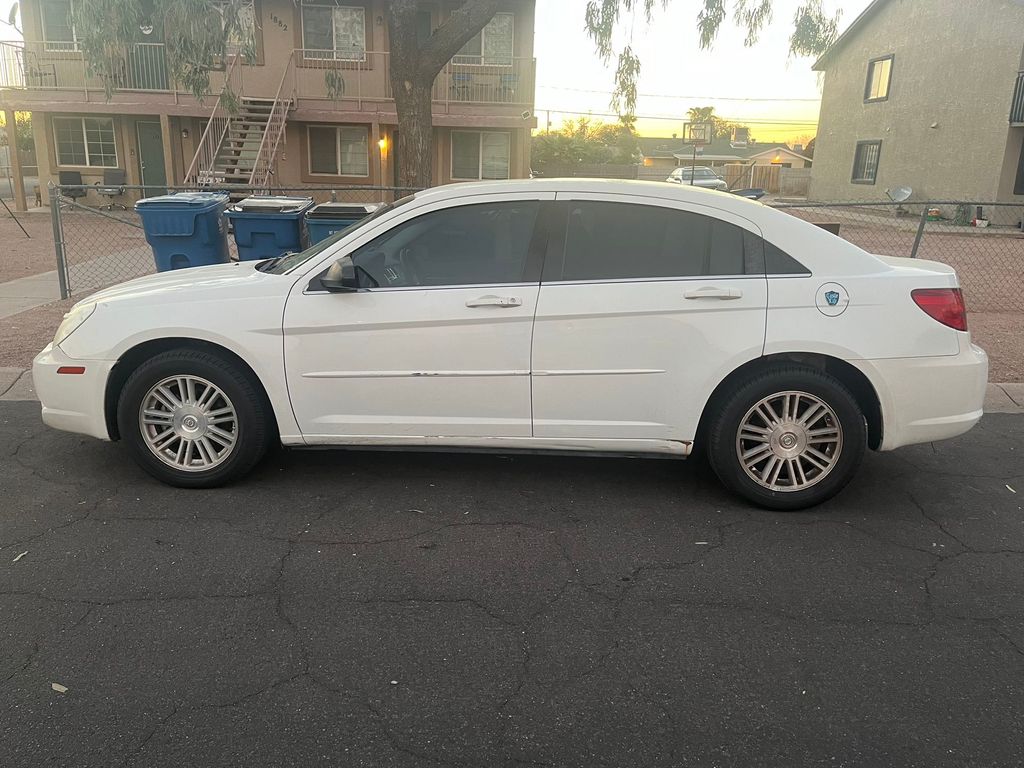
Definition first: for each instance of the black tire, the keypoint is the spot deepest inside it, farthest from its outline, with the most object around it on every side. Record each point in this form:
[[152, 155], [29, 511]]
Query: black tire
[[253, 428], [723, 438]]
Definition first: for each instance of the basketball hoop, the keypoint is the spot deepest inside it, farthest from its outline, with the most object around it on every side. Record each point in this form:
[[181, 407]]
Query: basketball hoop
[[698, 134]]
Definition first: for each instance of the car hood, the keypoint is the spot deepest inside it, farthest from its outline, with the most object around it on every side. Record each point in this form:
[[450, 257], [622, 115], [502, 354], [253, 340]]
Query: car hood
[[217, 277]]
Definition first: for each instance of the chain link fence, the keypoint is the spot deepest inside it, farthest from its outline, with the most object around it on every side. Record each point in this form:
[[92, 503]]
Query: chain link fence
[[982, 241], [988, 255], [99, 240]]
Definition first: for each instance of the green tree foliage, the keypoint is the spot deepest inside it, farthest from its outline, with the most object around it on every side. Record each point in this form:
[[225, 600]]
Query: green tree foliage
[[22, 130], [582, 141], [196, 39], [813, 31]]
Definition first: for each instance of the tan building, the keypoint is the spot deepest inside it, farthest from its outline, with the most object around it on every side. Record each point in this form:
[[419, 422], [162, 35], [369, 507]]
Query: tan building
[[315, 105], [927, 94], [672, 153]]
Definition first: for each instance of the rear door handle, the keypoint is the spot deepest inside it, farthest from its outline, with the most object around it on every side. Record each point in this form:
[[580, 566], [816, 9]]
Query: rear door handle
[[714, 292], [495, 301]]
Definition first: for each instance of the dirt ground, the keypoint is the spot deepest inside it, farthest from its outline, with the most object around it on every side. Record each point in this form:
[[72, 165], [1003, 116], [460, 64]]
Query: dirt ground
[[21, 256]]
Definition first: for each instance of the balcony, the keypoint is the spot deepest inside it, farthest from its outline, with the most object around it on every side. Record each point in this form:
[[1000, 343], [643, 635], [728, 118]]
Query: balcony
[[1017, 106], [324, 80]]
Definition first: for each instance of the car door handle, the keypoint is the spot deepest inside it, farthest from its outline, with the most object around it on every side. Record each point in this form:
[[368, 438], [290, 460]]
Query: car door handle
[[713, 292], [495, 301]]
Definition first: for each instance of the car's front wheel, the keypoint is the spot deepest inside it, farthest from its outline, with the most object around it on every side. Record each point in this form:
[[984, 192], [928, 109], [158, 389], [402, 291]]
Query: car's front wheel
[[788, 439], [193, 420]]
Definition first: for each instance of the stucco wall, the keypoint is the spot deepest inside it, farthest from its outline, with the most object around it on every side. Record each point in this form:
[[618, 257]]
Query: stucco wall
[[955, 66]]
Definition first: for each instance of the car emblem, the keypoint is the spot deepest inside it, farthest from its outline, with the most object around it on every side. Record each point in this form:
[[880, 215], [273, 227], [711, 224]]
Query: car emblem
[[832, 297]]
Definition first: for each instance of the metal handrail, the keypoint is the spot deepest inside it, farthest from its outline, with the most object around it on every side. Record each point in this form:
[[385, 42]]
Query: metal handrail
[[204, 140], [275, 124]]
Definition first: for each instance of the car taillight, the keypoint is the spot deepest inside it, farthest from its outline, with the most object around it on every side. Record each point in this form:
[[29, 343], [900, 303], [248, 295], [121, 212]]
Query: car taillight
[[943, 304]]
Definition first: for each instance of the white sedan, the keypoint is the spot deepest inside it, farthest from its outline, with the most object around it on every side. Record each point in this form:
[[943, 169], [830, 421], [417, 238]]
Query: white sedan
[[549, 315]]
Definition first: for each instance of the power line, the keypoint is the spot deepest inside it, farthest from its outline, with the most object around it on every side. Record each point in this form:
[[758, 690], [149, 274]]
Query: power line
[[674, 96], [743, 120]]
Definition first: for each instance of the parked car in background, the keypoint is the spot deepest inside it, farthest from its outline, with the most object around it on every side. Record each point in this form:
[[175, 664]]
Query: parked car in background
[[698, 176], [548, 315]]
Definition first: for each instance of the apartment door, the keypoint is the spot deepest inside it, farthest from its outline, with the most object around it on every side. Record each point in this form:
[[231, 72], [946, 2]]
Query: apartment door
[[151, 155]]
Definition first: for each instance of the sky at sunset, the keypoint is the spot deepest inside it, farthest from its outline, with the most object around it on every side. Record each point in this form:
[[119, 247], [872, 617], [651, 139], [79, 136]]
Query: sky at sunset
[[777, 96]]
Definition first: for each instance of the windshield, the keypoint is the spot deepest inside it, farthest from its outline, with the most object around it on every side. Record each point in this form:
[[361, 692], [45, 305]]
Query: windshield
[[287, 263]]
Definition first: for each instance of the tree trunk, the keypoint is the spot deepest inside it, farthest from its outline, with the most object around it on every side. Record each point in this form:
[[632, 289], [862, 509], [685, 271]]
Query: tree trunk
[[414, 67], [415, 133]]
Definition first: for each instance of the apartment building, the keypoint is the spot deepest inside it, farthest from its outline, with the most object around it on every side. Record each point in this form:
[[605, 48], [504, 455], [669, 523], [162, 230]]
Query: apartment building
[[927, 94], [313, 106]]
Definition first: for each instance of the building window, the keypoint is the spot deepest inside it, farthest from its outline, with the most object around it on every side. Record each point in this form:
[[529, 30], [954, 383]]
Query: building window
[[493, 45], [480, 155], [86, 141], [240, 41], [865, 162], [342, 150], [879, 77], [334, 32], [58, 27]]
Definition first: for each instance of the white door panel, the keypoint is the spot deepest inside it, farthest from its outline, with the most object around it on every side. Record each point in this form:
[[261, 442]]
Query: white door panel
[[636, 358], [642, 365], [411, 362], [436, 342]]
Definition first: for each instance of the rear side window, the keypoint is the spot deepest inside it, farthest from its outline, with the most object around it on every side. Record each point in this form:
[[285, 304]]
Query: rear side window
[[763, 257], [621, 241]]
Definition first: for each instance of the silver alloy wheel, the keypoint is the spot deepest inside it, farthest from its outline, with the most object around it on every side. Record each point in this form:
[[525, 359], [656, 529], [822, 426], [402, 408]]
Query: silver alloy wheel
[[188, 423], [789, 441]]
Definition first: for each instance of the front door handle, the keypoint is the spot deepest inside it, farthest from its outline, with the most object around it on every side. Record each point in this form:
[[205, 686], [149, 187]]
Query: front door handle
[[495, 301], [714, 292]]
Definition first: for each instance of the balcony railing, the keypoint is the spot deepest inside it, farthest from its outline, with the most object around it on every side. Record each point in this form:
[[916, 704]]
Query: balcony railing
[[358, 76], [319, 75], [1017, 106], [51, 65]]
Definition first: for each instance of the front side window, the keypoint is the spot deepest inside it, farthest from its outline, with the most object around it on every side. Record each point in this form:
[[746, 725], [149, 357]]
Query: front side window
[[470, 245], [493, 45], [334, 32], [879, 77], [85, 141], [865, 162], [622, 241], [58, 27], [339, 150], [480, 155]]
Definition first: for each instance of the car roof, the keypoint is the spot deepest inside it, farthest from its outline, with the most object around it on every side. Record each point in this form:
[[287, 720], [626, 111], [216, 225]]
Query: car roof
[[658, 189]]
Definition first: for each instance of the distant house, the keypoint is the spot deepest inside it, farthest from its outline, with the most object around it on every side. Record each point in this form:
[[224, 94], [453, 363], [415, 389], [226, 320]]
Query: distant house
[[672, 153], [927, 94]]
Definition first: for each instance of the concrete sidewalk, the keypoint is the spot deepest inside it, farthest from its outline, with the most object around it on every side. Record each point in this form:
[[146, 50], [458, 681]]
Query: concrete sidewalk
[[28, 293], [16, 384]]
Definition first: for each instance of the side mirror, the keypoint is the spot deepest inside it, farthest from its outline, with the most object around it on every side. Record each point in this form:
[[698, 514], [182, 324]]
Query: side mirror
[[341, 277]]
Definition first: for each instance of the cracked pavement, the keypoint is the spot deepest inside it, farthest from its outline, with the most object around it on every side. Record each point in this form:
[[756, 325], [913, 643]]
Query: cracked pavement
[[396, 609]]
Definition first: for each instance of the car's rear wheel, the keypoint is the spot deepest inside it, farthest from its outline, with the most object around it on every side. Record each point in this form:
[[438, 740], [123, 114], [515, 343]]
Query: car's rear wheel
[[193, 420], [788, 439]]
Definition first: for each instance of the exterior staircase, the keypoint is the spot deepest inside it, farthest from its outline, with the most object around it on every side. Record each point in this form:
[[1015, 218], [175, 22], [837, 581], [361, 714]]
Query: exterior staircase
[[236, 159], [240, 149]]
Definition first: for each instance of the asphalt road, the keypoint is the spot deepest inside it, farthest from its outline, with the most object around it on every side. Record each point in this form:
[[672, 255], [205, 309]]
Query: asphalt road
[[384, 609]]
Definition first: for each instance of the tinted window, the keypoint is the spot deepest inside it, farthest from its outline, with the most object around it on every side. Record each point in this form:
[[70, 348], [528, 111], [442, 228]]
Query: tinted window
[[761, 256], [615, 241], [468, 245]]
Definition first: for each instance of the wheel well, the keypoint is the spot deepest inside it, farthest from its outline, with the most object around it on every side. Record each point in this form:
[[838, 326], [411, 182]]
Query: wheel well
[[137, 355], [852, 379]]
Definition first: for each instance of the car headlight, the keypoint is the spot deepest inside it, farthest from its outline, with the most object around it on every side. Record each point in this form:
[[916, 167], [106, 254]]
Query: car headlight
[[73, 321]]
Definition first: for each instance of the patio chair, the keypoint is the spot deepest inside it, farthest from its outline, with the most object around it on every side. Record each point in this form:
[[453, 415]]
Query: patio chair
[[507, 86], [462, 83], [112, 186], [72, 180]]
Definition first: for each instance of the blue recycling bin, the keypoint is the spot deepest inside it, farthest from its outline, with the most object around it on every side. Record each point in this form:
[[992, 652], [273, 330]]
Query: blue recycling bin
[[185, 229], [269, 225], [328, 218]]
